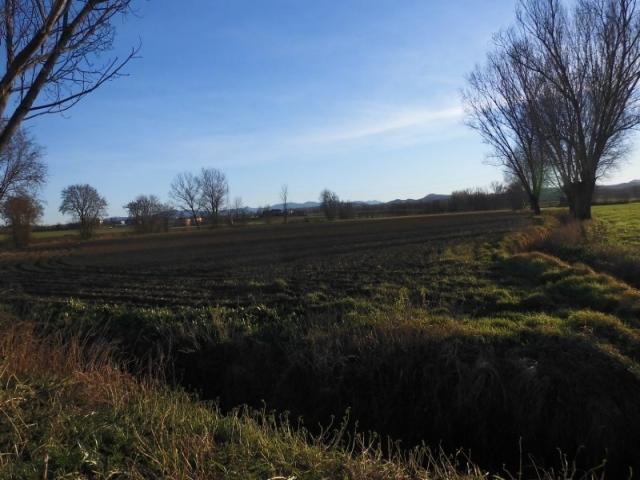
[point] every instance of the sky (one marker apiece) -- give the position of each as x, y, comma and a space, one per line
358, 96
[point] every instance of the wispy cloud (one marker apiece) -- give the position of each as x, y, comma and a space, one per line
382, 121
385, 127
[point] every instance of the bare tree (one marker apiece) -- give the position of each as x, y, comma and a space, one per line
284, 196
53, 50
213, 191
186, 192
149, 214
500, 103
20, 212
589, 59
237, 208
329, 204
21, 168
265, 212
85, 204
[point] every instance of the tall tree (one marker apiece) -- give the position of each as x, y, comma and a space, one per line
187, 193
22, 170
589, 58
86, 205
213, 191
500, 100
54, 51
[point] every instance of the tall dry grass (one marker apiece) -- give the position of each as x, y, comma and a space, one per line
68, 411
57, 394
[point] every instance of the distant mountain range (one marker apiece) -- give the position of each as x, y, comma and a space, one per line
427, 198
296, 206
432, 197
621, 186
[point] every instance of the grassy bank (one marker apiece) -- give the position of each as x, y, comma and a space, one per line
609, 243
69, 411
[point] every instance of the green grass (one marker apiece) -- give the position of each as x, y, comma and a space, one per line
610, 242
71, 234
621, 223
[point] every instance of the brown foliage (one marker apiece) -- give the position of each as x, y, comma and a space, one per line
21, 212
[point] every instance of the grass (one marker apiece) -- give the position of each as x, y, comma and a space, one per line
555, 333
70, 412
608, 243
70, 235
455, 335
621, 223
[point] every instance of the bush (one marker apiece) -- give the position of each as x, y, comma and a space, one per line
21, 212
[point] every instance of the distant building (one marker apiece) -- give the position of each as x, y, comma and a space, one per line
187, 221
184, 218
115, 221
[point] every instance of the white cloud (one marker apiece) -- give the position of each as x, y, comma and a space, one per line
382, 121
380, 126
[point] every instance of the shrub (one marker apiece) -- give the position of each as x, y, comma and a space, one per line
21, 212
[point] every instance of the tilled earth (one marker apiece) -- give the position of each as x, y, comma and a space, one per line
256, 263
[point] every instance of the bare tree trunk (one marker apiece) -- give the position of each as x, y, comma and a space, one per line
582, 201
195, 218
534, 203
580, 196
85, 230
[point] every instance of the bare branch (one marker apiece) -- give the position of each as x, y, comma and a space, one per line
213, 191
51, 47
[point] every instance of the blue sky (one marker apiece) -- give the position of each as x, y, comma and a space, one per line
360, 96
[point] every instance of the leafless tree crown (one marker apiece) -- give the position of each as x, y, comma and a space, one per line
149, 214
499, 102
22, 170
186, 192
52, 51
85, 204
213, 190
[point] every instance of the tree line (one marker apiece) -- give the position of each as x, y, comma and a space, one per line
204, 198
